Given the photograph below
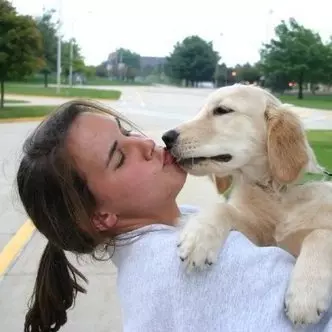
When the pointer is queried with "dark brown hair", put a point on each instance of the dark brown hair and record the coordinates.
(58, 202)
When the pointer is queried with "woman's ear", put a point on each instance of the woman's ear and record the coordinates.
(104, 221)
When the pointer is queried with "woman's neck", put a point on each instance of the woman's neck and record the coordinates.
(167, 215)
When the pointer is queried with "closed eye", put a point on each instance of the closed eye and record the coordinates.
(221, 110)
(121, 161)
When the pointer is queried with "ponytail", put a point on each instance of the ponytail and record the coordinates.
(55, 291)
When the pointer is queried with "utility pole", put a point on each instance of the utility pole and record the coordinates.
(217, 69)
(216, 75)
(71, 62)
(268, 25)
(59, 47)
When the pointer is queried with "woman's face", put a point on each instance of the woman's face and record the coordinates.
(130, 177)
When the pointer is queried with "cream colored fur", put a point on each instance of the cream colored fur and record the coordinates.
(270, 152)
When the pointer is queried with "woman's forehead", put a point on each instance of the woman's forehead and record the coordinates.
(90, 136)
(89, 119)
(93, 122)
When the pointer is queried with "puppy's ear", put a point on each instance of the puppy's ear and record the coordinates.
(287, 146)
(221, 184)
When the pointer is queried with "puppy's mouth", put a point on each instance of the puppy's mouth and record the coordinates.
(222, 158)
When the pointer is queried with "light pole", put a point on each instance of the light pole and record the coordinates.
(267, 28)
(59, 47)
(216, 76)
(71, 63)
(217, 69)
(71, 53)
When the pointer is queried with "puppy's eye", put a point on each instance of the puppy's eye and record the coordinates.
(220, 110)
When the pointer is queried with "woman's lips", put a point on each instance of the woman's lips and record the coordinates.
(168, 158)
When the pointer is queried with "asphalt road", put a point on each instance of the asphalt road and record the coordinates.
(154, 110)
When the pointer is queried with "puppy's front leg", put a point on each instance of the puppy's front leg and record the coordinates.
(204, 234)
(309, 293)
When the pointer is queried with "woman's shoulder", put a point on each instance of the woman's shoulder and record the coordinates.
(152, 236)
(187, 209)
(246, 282)
(158, 243)
(239, 283)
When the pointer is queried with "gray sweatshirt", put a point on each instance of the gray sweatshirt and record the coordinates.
(242, 292)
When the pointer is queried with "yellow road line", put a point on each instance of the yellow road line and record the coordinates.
(15, 245)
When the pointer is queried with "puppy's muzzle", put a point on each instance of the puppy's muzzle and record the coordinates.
(170, 138)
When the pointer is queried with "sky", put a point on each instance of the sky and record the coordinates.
(237, 28)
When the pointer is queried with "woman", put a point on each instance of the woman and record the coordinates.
(88, 184)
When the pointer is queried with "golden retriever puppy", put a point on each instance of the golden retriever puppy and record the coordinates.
(245, 133)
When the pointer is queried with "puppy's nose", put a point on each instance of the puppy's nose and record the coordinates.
(170, 137)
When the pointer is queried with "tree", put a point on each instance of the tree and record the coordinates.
(131, 74)
(192, 60)
(48, 31)
(128, 64)
(248, 73)
(77, 58)
(20, 46)
(129, 58)
(277, 81)
(324, 74)
(90, 71)
(221, 75)
(240, 73)
(101, 70)
(297, 53)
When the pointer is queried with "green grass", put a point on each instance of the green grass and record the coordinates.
(321, 142)
(311, 101)
(37, 90)
(9, 112)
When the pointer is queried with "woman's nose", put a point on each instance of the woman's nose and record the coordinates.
(144, 145)
(148, 148)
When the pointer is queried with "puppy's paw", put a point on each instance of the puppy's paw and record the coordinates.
(307, 299)
(200, 242)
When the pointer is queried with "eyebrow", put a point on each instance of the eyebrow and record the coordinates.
(111, 153)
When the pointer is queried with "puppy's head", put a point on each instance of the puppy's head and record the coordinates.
(242, 126)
